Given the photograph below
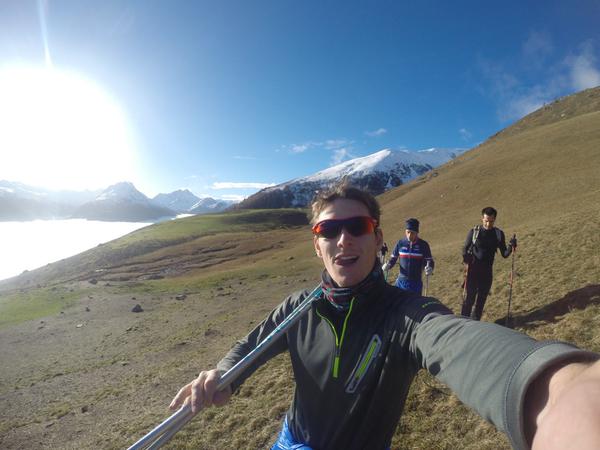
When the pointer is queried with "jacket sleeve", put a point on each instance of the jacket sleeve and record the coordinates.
(394, 255)
(489, 367)
(504, 251)
(427, 257)
(256, 336)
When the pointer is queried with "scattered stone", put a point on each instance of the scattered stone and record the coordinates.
(49, 424)
(79, 325)
(220, 288)
(87, 308)
(93, 281)
(124, 363)
(289, 258)
(132, 298)
(137, 308)
(180, 297)
(155, 276)
(84, 409)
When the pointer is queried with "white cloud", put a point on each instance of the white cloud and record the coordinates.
(562, 75)
(235, 198)
(582, 70)
(465, 134)
(299, 148)
(537, 48)
(334, 144)
(237, 185)
(375, 133)
(340, 155)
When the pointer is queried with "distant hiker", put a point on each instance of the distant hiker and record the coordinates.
(357, 348)
(478, 257)
(383, 252)
(415, 255)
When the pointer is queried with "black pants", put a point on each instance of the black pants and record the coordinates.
(479, 282)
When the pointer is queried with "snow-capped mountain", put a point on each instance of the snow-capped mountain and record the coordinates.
(209, 205)
(376, 173)
(122, 202)
(181, 200)
(19, 201)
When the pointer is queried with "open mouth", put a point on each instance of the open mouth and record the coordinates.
(345, 260)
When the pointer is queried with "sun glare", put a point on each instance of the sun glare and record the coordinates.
(62, 131)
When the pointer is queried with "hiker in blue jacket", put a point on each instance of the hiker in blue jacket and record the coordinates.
(478, 257)
(415, 256)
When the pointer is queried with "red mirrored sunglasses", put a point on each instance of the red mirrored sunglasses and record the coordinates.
(356, 226)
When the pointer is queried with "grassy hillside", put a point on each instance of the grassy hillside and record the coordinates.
(81, 370)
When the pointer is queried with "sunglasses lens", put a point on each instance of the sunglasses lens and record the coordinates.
(329, 228)
(356, 226)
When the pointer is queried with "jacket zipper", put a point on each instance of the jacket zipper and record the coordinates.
(338, 341)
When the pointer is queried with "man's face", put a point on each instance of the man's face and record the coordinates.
(347, 258)
(488, 221)
(411, 235)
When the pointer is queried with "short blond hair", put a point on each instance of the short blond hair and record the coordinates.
(346, 191)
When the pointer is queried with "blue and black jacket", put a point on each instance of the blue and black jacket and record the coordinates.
(413, 258)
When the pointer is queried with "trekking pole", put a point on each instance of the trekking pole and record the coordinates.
(426, 277)
(465, 279)
(510, 284)
(167, 429)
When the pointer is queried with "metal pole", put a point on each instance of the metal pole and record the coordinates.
(512, 274)
(165, 431)
(426, 277)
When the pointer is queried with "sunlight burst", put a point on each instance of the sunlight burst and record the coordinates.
(62, 131)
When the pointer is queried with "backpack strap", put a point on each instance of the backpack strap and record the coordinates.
(476, 229)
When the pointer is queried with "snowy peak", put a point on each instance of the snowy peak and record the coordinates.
(385, 160)
(181, 200)
(124, 191)
(375, 173)
(209, 204)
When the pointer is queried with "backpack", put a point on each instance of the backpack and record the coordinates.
(476, 229)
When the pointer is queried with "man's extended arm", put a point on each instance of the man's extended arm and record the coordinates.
(496, 370)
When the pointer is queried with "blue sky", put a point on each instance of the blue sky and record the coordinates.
(218, 95)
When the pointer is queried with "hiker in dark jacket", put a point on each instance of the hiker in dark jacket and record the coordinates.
(478, 257)
(414, 255)
(356, 350)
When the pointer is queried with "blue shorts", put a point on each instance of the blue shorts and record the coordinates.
(286, 441)
(410, 285)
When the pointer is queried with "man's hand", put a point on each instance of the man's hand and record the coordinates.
(202, 392)
(513, 242)
(428, 270)
(569, 417)
(385, 267)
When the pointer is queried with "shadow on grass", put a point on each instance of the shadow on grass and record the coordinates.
(553, 312)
